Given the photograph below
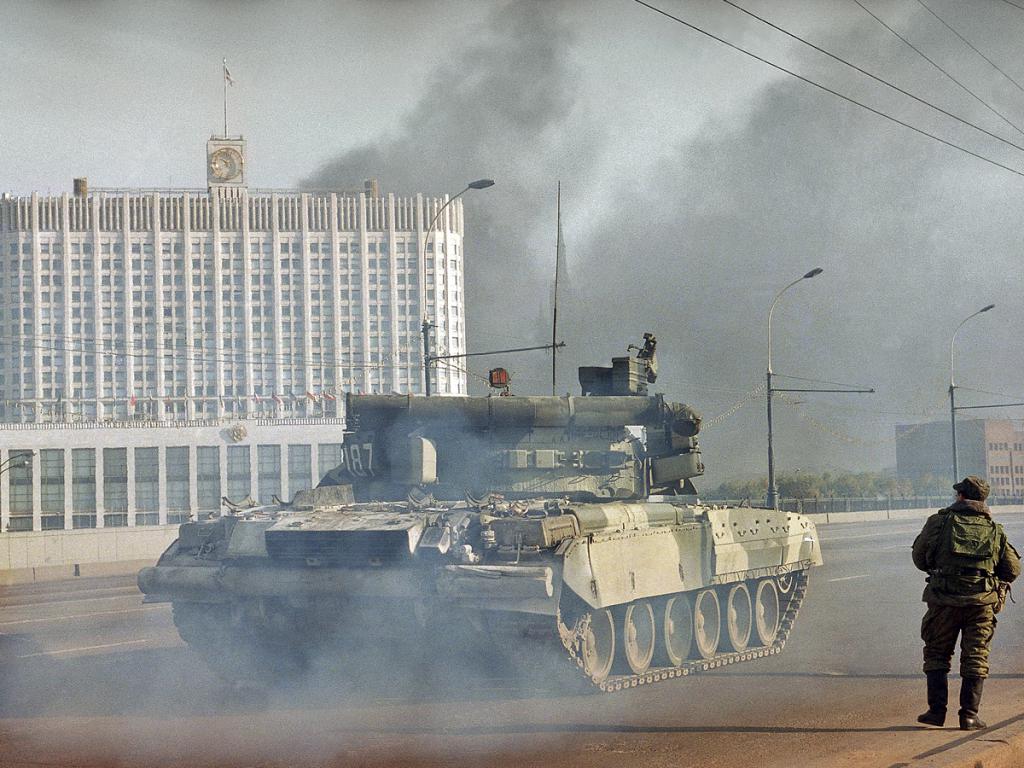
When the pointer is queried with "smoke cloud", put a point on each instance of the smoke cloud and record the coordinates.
(688, 205)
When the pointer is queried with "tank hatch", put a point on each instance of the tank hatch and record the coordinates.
(626, 376)
(355, 539)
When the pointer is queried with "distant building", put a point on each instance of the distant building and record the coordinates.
(159, 348)
(989, 448)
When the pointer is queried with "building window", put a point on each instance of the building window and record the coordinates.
(19, 479)
(147, 486)
(208, 479)
(269, 472)
(239, 476)
(83, 487)
(179, 502)
(115, 487)
(300, 475)
(329, 456)
(51, 480)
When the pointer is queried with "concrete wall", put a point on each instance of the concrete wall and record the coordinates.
(49, 555)
(897, 514)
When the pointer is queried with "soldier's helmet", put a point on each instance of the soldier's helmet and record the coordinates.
(972, 487)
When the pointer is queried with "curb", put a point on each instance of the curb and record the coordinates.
(827, 518)
(51, 573)
(1001, 745)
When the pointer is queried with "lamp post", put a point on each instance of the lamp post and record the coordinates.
(478, 184)
(952, 389)
(20, 460)
(481, 183)
(772, 499)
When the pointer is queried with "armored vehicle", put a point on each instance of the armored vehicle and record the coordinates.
(521, 520)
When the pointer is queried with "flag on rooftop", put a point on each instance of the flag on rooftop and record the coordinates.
(227, 74)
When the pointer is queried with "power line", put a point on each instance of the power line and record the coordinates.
(969, 45)
(298, 362)
(931, 61)
(881, 80)
(987, 392)
(1018, 7)
(818, 381)
(825, 88)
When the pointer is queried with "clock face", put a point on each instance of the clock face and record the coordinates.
(226, 164)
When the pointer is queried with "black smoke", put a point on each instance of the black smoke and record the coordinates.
(912, 235)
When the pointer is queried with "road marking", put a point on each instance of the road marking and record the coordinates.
(79, 615)
(136, 595)
(875, 535)
(41, 596)
(849, 578)
(85, 648)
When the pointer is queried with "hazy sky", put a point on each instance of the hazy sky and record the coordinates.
(696, 181)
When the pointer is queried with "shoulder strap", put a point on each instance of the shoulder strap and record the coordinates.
(940, 537)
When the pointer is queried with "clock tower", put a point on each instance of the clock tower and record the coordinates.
(225, 163)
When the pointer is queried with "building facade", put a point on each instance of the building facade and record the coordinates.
(109, 474)
(178, 305)
(989, 448)
(162, 348)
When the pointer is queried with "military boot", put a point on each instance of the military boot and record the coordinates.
(938, 695)
(970, 701)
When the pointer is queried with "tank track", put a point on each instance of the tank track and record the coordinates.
(618, 682)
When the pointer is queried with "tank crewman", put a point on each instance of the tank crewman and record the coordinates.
(968, 559)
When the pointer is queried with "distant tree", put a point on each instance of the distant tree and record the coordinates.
(799, 486)
(804, 485)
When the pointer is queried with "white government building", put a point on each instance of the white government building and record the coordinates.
(162, 348)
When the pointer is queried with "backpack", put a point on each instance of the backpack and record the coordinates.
(965, 555)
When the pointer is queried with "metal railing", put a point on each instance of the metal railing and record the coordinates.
(839, 504)
(32, 426)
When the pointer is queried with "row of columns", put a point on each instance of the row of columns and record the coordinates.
(101, 507)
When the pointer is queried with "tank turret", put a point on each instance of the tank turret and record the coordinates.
(615, 442)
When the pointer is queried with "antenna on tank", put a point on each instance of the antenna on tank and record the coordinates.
(559, 259)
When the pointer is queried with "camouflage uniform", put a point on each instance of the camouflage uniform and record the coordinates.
(961, 595)
(960, 604)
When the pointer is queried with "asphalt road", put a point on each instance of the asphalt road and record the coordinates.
(89, 676)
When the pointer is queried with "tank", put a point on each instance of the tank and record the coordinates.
(520, 522)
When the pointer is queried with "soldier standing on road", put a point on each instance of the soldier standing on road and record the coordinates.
(969, 563)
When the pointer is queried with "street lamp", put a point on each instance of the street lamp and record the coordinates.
(478, 184)
(18, 460)
(773, 494)
(952, 389)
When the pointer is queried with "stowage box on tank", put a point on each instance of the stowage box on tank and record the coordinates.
(571, 518)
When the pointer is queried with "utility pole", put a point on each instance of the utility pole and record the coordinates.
(772, 498)
(952, 429)
(773, 492)
(427, 359)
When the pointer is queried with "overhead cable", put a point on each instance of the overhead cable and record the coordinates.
(208, 360)
(1015, 5)
(972, 47)
(832, 91)
(881, 80)
(935, 64)
(987, 392)
(818, 381)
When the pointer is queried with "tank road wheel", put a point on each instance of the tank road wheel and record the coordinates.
(784, 581)
(707, 623)
(677, 629)
(766, 612)
(599, 646)
(739, 617)
(638, 635)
